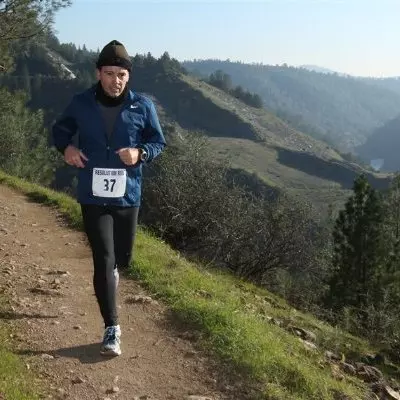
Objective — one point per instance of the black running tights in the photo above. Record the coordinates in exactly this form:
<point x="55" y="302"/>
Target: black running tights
<point x="111" y="232"/>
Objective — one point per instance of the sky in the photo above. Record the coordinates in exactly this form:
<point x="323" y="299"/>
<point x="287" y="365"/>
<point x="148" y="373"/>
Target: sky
<point x="357" y="37"/>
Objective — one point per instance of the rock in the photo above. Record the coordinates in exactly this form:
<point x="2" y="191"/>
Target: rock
<point x="77" y="380"/>
<point x="394" y="384"/>
<point x="332" y="356"/>
<point x="140" y="299"/>
<point x="59" y="272"/>
<point x="114" y="389"/>
<point x="368" y="373"/>
<point x="47" y="357"/>
<point x="306" y="335"/>
<point x="46" y="292"/>
<point x="308" y="345"/>
<point x="391" y="393"/>
<point x="335" y="371"/>
<point x="193" y="397"/>
<point x="77" y="327"/>
<point x="348" y="368"/>
<point x="190" y="353"/>
<point x="383" y="391"/>
<point x="274" y="321"/>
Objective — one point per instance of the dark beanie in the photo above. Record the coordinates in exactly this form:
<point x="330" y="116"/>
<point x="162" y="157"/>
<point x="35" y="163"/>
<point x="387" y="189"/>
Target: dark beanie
<point x="114" y="54"/>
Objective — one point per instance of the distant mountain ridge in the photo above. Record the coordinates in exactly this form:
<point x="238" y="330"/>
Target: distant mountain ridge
<point x="345" y="109"/>
<point x="323" y="70"/>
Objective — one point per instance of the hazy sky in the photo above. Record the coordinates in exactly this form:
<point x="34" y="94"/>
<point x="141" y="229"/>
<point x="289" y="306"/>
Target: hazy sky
<point x="359" y="37"/>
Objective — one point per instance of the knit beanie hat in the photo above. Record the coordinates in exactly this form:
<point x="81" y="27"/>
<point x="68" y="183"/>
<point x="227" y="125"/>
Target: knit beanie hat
<point x="114" y="54"/>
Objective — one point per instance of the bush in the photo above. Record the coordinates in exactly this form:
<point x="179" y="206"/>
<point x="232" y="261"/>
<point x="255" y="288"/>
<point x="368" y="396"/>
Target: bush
<point x="194" y="204"/>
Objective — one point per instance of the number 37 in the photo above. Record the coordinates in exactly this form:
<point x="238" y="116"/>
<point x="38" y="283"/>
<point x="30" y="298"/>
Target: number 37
<point x="107" y="183"/>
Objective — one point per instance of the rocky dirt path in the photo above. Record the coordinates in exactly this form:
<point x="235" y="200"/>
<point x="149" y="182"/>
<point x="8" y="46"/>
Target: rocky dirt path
<point x="46" y="273"/>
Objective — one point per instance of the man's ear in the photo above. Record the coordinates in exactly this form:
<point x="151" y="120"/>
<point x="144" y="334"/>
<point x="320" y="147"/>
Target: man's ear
<point x="98" y="73"/>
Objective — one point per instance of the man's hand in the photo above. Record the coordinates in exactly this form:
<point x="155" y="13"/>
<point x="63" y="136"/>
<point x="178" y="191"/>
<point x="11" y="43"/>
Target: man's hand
<point x="128" y="155"/>
<point x="74" y="157"/>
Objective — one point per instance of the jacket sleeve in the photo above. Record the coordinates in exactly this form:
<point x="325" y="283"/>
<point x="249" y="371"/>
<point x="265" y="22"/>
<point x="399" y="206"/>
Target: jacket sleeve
<point x="65" y="128"/>
<point x="153" y="139"/>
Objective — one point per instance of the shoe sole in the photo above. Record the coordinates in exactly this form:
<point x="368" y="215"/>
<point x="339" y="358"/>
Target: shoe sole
<point x="110" y="353"/>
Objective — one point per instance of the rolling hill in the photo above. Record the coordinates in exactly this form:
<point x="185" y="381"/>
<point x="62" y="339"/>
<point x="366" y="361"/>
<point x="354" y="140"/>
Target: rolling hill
<point x="345" y="109"/>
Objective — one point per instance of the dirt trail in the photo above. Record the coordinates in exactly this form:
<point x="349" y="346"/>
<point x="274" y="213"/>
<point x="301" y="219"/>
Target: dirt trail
<point x="46" y="272"/>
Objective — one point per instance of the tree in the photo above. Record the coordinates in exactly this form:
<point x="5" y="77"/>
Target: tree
<point x="24" y="19"/>
<point x="392" y="224"/>
<point x="221" y="80"/>
<point x="23" y="141"/>
<point x="359" y="253"/>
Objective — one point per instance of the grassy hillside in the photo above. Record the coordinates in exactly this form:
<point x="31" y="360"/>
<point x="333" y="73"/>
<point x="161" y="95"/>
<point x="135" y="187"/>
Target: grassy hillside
<point x="346" y="109"/>
<point x="256" y="141"/>
<point x="279" y="352"/>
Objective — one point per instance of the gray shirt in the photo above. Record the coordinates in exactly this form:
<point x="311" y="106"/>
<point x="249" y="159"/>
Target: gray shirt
<point x="110" y="115"/>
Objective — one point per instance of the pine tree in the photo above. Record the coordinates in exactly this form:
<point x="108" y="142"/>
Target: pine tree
<point x="392" y="224"/>
<point x="359" y="252"/>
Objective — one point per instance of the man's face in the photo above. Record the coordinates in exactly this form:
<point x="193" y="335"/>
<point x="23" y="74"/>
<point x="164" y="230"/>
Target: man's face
<point x="113" y="79"/>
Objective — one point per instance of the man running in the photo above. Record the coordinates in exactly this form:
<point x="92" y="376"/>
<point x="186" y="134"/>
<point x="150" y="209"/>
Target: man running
<point x="118" y="132"/>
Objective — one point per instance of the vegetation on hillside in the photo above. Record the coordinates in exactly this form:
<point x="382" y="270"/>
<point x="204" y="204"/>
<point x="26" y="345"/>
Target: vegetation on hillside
<point x="344" y="109"/>
<point x="223" y="81"/>
<point x="250" y="331"/>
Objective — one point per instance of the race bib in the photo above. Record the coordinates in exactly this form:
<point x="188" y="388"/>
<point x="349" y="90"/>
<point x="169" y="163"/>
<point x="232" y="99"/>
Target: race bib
<point x="109" y="182"/>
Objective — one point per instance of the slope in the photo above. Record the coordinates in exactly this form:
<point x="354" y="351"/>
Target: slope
<point x="344" y="108"/>
<point x="383" y="146"/>
<point x="253" y="139"/>
<point x="185" y="326"/>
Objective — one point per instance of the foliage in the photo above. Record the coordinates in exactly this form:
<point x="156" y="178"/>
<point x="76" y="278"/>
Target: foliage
<point x="24" y="19"/>
<point x="223" y="81"/>
<point x="194" y="204"/>
<point x="23" y="141"/>
<point x="358" y="256"/>
<point x="365" y="280"/>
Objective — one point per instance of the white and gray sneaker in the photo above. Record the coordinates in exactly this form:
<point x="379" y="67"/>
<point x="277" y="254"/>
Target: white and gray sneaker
<point x="111" y="345"/>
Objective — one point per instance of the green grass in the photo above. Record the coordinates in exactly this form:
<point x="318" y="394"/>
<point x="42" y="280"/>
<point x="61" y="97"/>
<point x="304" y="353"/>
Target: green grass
<point x="231" y="316"/>
<point x="16" y="382"/>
